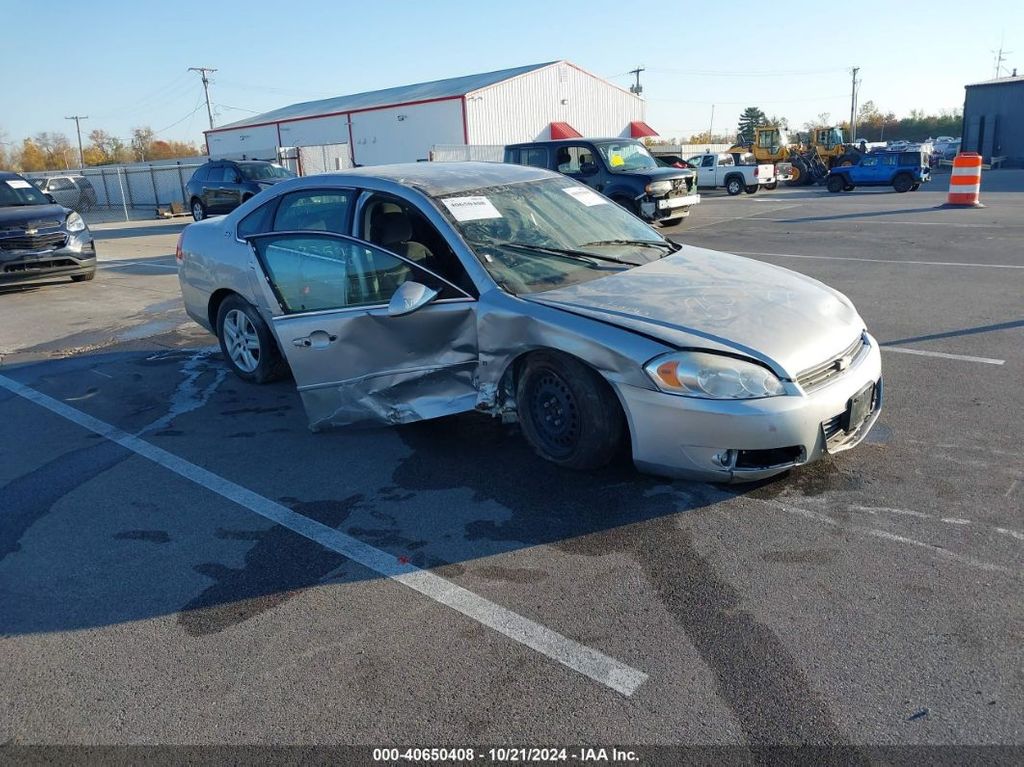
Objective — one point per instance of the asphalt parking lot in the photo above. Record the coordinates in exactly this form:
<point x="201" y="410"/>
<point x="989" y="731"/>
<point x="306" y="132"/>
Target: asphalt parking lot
<point x="182" y="561"/>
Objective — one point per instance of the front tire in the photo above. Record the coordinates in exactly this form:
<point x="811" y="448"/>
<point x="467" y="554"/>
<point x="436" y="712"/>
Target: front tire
<point x="835" y="184"/>
<point x="198" y="209"/>
<point x="903" y="183"/>
<point x="84" y="277"/>
<point x="734" y="186"/>
<point x="247" y="342"/>
<point x="568" y="412"/>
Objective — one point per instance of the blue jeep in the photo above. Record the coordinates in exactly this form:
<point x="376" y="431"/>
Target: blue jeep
<point x="904" y="171"/>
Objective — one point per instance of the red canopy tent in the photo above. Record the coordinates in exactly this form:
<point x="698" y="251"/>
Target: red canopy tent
<point x="638" y="129"/>
<point x="564" y="130"/>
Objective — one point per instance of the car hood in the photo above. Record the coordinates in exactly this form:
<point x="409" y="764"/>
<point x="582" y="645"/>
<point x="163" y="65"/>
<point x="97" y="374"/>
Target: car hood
<point x="703" y="299"/>
<point x="263" y="183"/>
<point x="658" y="174"/>
<point x="32" y="215"/>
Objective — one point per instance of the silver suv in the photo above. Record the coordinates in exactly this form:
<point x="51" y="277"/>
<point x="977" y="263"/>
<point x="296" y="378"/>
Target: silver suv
<point x="72" y="191"/>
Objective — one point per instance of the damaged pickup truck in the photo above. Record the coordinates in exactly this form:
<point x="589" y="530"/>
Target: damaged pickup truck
<point x="406" y="292"/>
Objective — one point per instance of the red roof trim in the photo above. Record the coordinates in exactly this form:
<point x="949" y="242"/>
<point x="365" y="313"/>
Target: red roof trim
<point x="640" y="129"/>
<point x="564" y="130"/>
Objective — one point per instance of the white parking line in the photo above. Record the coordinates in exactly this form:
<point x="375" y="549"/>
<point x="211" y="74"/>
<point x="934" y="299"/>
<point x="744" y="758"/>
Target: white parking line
<point x="120" y="264"/>
<point x="880" y="260"/>
<point x="586" y="660"/>
<point x="953" y="224"/>
<point x="943" y="355"/>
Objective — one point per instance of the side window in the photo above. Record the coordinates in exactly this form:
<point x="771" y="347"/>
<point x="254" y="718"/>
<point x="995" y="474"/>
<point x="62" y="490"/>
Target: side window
<point x="61" y="184"/>
<point x="890" y="159"/>
<point x="869" y="162"/>
<point x="708" y="161"/>
<point x="316" y="209"/>
<point x="201" y="174"/>
<point x="537" y="157"/>
<point x="316" y="272"/>
<point x="231" y="174"/>
<point x="84" y="183"/>
<point x="570" y="158"/>
<point x="257" y="222"/>
<point x="399" y="227"/>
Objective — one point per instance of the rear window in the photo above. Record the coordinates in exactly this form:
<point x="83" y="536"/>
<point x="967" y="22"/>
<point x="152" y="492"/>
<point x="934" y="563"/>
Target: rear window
<point x="911" y="158"/>
<point x="745" y="158"/>
<point x="83" y="182"/>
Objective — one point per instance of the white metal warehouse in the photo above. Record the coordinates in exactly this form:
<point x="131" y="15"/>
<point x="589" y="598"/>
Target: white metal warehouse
<point x="553" y="100"/>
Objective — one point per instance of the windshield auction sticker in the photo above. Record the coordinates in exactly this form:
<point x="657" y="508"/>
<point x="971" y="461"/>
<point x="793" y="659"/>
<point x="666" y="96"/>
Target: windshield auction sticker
<point x="587" y="196"/>
<point x="471" y="208"/>
<point x="17" y="183"/>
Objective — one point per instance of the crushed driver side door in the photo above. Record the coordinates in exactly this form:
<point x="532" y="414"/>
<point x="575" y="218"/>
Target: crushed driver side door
<point x="353" y="360"/>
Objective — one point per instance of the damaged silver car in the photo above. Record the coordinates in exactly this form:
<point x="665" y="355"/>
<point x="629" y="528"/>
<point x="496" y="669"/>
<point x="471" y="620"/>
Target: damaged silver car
<point x="405" y="292"/>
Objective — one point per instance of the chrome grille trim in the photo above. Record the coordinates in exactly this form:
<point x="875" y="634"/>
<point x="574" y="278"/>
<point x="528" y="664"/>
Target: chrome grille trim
<point x="821" y="374"/>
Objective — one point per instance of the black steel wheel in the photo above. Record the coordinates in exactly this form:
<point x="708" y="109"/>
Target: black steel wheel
<point x="835" y="184"/>
<point x="903" y="183"/>
<point x="568" y="413"/>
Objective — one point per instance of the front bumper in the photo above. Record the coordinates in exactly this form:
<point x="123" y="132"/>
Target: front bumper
<point x="657" y="208"/>
<point x="726" y="440"/>
<point x="77" y="257"/>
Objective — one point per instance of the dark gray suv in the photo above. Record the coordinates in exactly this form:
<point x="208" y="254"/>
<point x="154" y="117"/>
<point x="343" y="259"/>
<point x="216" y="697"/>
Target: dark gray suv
<point x="39" y="238"/>
<point x="220" y="186"/>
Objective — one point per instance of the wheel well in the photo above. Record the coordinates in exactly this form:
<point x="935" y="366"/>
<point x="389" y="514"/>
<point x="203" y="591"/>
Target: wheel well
<point x="510" y="381"/>
<point x="739" y="176"/>
<point x="214" y="306"/>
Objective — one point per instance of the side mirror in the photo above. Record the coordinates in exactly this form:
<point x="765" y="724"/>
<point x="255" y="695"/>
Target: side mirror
<point x="50" y="197"/>
<point x="588" y="169"/>
<point x="410" y="297"/>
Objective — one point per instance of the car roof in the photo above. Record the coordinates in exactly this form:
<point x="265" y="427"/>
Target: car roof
<point x="5" y="174"/>
<point x="439" y="178"/>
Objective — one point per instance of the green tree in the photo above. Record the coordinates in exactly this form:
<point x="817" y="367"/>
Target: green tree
<point x="751" y="118"/>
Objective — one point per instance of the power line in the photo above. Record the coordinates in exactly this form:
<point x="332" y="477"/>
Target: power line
<point x="206" y="88"/>
<point x="723" y="73"/>
<point x="199" y="105"/>
<point x="78" y="127"/>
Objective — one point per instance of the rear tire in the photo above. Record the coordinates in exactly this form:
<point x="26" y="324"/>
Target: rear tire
<point x="667" y="222"/>
<point x="568" y="412"/>
<point x="247" y="343"/>
<point x="734" y="185"/>
<point x="198" y="209"/>
<point x="903" y="183"/>
<point x="771" y="186"/>
<point x="751" y="189"/>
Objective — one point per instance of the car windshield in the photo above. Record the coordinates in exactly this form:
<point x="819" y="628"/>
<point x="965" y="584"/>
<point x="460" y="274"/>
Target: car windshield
<point x="625" y="156"/>
<point x="18" y="191"/>
<point x="261" y="171"/>
<point x="541" y="235"/>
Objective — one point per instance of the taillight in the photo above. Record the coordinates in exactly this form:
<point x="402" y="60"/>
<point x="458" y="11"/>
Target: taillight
<point x="755" y="172"/>
<point x="179" y="254"/>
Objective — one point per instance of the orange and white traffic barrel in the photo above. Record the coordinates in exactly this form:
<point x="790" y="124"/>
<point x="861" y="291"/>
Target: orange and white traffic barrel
<point x="965" y="183"/>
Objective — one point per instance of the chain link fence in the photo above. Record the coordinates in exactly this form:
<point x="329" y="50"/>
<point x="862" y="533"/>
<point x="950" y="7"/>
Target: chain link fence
<point x="127" y="187"/>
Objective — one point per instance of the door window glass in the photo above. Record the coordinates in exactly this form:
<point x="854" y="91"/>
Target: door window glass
<point x="313" y="273"/>
<point x="708" y="161"/>
<point x="257" y="222"/>
<point x="570" y="158"/>
<point x="869" y="162"/>
<point x="317" y="210"/>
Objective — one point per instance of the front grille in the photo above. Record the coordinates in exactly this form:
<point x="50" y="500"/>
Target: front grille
<point x="833" y="367"/>
<point x="681" y="186"/>
<point x="33" y="266"/>
<point x="34" y="241"/>
<point x="21" y="226"/>
<point x="832" y="426"/>
<point x="766" y="459"/>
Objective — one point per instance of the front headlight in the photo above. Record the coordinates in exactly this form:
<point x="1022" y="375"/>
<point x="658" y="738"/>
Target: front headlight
<point x="75" y="223"/>
<point x="712" y="376"/>
<point x="658" y="187"/>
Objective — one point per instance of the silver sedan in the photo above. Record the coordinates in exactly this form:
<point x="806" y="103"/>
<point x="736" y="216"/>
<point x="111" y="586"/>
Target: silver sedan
<point x="405" y="292"/>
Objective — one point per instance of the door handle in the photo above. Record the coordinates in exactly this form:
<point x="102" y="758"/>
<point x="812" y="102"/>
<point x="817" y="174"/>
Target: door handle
<point x="318" y="339"/>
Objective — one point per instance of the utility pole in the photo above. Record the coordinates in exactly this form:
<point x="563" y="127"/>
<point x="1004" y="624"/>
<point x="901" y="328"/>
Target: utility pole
<point x="637" y="88"/>
<point x="1000" y="58"/>
<point x="853" y="106"/>
<point x="711" y="125"/>
<point x="78" y="127"/>
<point x="206" y="88"/>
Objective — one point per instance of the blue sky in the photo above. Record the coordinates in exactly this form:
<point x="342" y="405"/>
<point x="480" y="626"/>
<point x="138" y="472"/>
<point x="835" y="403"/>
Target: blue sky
<point x="127" y="64"/>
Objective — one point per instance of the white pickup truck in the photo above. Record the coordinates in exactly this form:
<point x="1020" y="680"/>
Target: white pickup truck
<point x="737" y="172"/>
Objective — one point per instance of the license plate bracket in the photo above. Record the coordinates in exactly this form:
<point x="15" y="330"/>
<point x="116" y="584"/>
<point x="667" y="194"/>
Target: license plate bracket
<point x="858" y="408"/>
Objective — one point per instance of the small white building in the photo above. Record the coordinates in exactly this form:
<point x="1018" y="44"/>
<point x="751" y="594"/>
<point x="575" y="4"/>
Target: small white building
<point x="553" y="100"/>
